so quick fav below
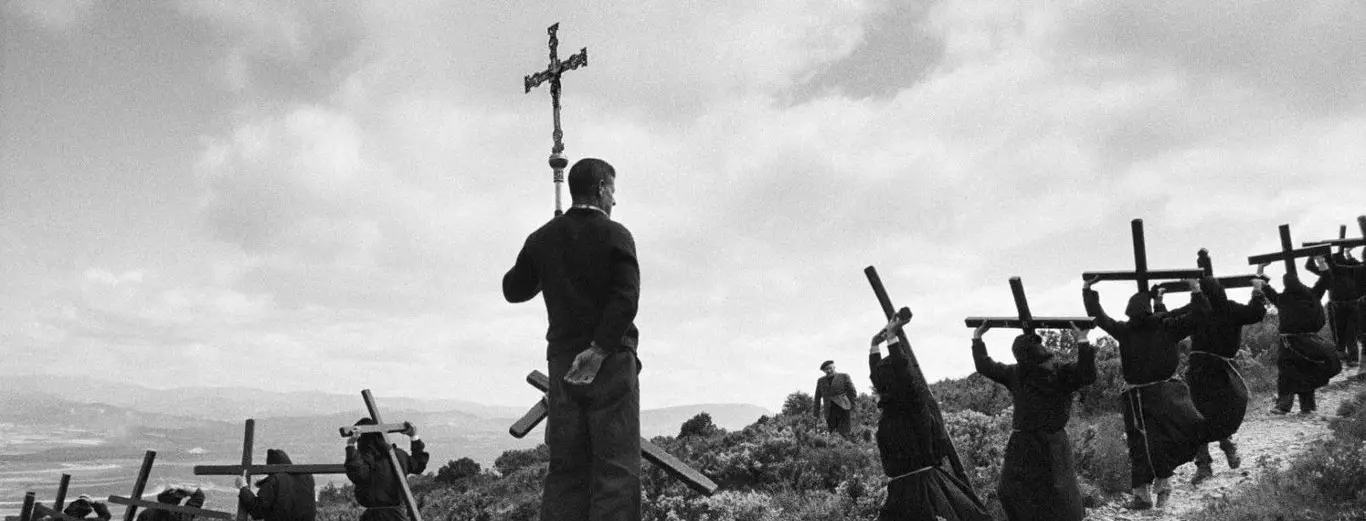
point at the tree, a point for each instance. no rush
(797, 404)
(700, 426)
(456, 470)
(515, 460)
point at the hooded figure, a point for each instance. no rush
(282, 497)
(1162, 426)
(1038, 478)
(1218, 390)
(1342, 281)
(918, 487)
(84, 505)
(1305, 361)
(377, 487)
(172, 496)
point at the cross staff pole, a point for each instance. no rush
(1141, 274)
(1227, 282)
(918, 379)
(140, 485)
(1026, 320)
(248, 469)
(248, 441)
(1288, 253)
(672, 466)
(552, 73)
(393, 458)
(1343, 242)
(26, 511)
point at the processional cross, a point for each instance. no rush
(248, 469)
(1342, 242)
(134, 500)
(29, 509)
(1203, 261)
(1026, 320)
(1288, 253)
(552, 74)
(1141, 274)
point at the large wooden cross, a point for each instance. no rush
(1026, 320)
(382, 429)
(1207, 266)
(1288, 253)
(942, 439)
(246, 469)
(695, 480)
(1342, 241)
(57, 504)
(135, 499)
(552, 73)
(1141, 273)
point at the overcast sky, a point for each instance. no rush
(324, 195)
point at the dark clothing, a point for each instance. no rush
(172, 497)
(1345, 324)
(839, 393)
(1162, 426)
(1038, 478)
(376, 485)
(1216, 387)
(586, 265)
(1305, 361)
(1284, 401)
(1342, 281)
(920, 488)
(282, 497)
(81, 508)
(593, 432)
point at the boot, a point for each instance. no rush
(1202, 473)
(1231, 452)
(1142, 500)
(1164, 491)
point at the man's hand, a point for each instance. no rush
(1160, 292)
(353, 439)
(1261, 269)
(981, 330)
(241, 481)
(409, 429)
(1257, 285)
(1193, 284)
(1079, 334)
(586, 365)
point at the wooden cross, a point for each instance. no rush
(941, 436)
(1026, 320)
(1141, 274)
(552, 73)
(672, 466)
(382, 429)
(1342, 242)
(247, 469)
(135, 499)
(57, 504)
(1288, 253)
(1203, 261)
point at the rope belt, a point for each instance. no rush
(1285, 344)
(1135, 403)
(1229, 361)
(911, 473)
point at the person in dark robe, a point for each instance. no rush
(1163, 428)
(1338, 277)
(585, 265)
(1305, 361)
(369, 469)
(1216, 386)
(918, 486)
(281, 497)
(1038, 478)
(837, 390)
(172, 496)
(78, 509)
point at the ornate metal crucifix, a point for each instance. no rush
(552, 74)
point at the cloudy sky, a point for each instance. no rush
(324, 195)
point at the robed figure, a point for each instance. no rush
(1305, 361)
(919, 487)
(1039, 478)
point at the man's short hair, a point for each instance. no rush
(586, 174)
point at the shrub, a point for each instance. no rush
(511, 461)
(456, 470)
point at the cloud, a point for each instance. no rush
(56, 15)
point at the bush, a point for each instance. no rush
(1100, 452)
(700, 425)
(456, 470)
(511, 461)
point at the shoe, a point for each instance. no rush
(1234, 461)
(1202, 473)
(1162, 498)
(1279, 411)
(1305, 413)
(1138, 504)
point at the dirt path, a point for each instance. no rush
(1264, 441)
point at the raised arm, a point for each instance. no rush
(989, 368)
(1082, 372)
(1255, 310)
(1091, 300)
(522, 282)
(1183, 325)
(623, 295)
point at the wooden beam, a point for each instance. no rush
(154, 505)
(236, 470)
(140, 485)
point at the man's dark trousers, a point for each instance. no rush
(593, 432)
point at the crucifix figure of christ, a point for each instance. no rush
(943, 444)
(1027, 321)
(1141, 273)
(246, 469)
(1342, 242)
(383, 430)
(1288, 253)
(695, 480)
(1207, 266)
(552, 73)
(134, 500)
